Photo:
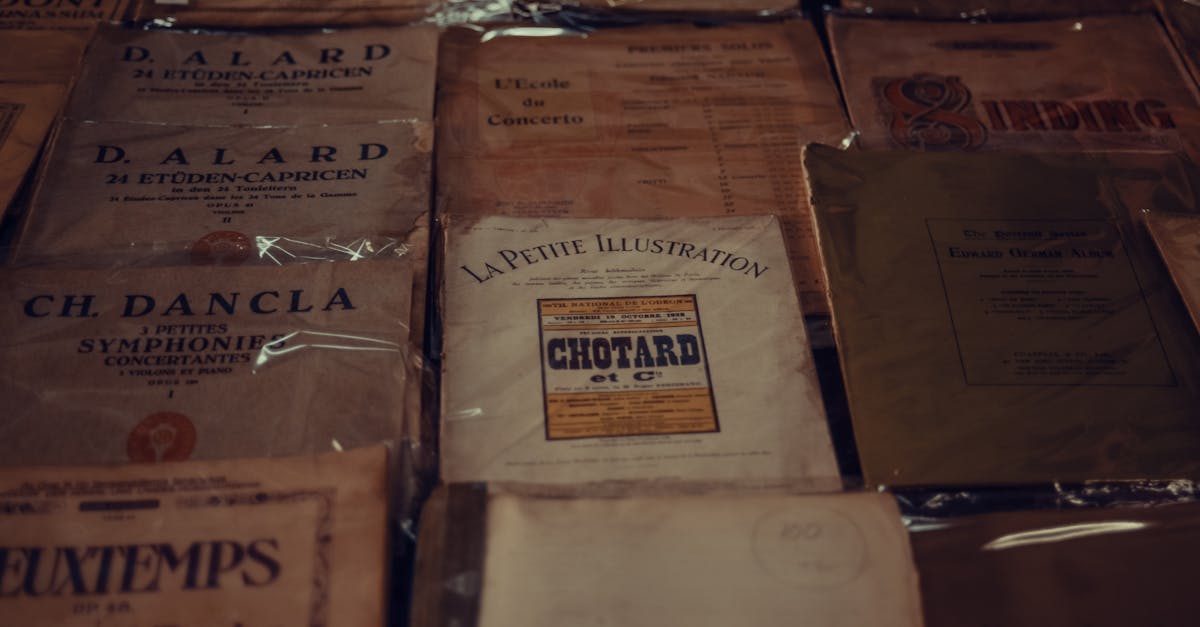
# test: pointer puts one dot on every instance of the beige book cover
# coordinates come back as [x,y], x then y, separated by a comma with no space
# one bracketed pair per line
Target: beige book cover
[664,121]
[1182,18]
[1178,238]
[170,364]
[26,113]
[41,56]
[714,560]
[984,9]
[658,352]
[1109,567]
[123,193]
[82,15]
[1093,84]
[259,13]
[294,541]
[1001,318]
[330,77]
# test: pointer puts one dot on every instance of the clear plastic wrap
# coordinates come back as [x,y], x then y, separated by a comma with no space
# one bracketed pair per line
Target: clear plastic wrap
[172,364]
[490,557]
[590,14]
[991,9]
[660,121]
[1092,84]
[1109,567]
[1003,319]
[266,13]
[296,541]
[645,353]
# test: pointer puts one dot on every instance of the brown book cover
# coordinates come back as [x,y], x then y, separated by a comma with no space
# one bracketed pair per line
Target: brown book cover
[1093,84]
[705,561]
[259,13]
[295,541]
[170,364]
[27,111]
[1178,238]
[41,56]
[165,77]
[1100,568]
[1001,318]
[1183,23]
[655,352]
[664,121]
[82,15]
[984,9]
[122,193]
[757,8]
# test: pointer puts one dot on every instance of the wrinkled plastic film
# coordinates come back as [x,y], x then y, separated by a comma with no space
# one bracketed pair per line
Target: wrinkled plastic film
[1103,567]
[166,364]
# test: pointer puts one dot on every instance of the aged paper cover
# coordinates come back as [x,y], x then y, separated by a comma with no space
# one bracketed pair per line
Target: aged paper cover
[1001,319]
[1178,239]
[295,541]
[252,13]
[1095,84]
[705,561]
[122,193]
[355,75]
[592,350]
[667,121]
[169,364]
[722,7]
[1109,567]
[82,15]
[1183,22]
[26,113]
[41,56]
[983,9]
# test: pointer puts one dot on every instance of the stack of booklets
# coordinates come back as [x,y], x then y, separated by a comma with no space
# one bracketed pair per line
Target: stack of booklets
[611,313]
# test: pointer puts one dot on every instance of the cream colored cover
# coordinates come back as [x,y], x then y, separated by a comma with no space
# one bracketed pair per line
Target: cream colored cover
[1178,239]
[151,365]
[570,357]
[710,561]
[122,193]
[26,113]
[80,15]
[296,541]
[255,13]
[665,121]
[1093,84]
[355,75]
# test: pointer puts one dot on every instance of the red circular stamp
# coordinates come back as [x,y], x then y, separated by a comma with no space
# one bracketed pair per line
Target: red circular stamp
[162,437]
[222,248]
